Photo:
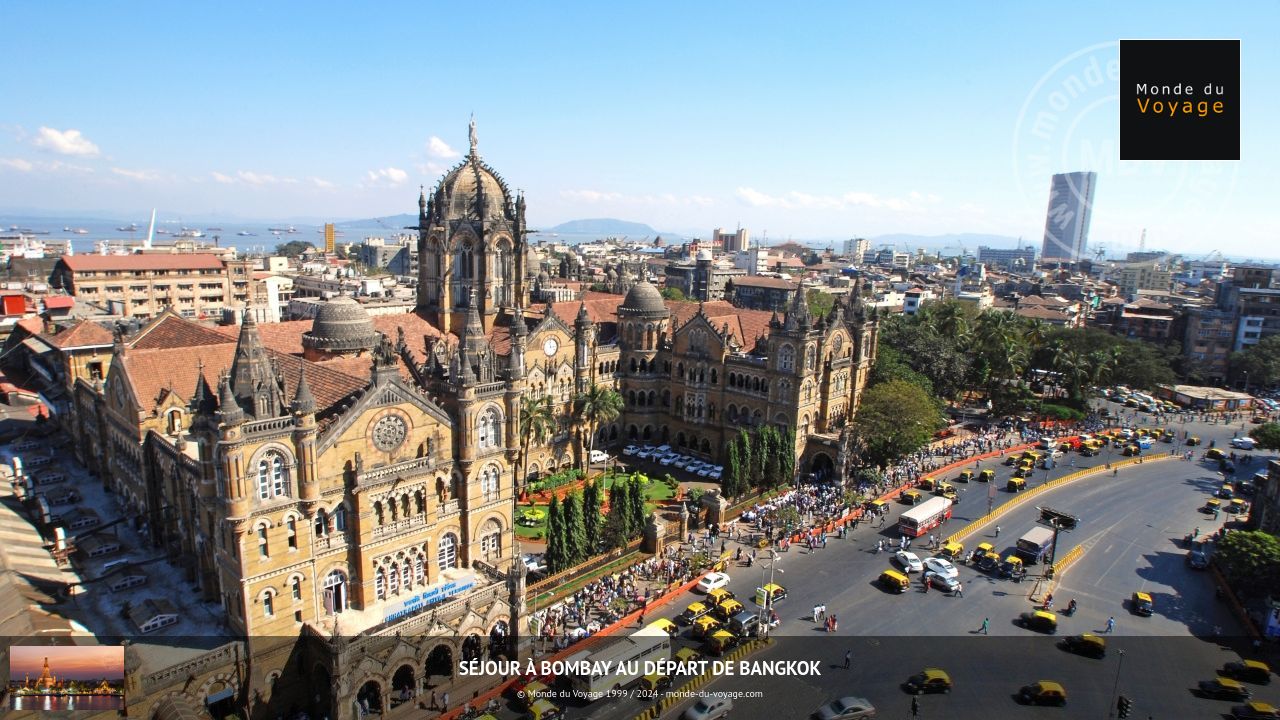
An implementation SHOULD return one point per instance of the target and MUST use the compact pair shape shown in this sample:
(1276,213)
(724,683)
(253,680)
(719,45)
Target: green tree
(889,365)
(293,248)
(746,457)
(895,419)
(575,529)
(787,457)
(773,457)
(596,406)
(1267,435)
(1250,561)
(730,479)
(673,293)
(592,520)
(617,530)
(557,559)
(1258,363)
(537,423)
(635,508)
(820,303)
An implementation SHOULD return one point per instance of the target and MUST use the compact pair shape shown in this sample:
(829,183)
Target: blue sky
(805,121)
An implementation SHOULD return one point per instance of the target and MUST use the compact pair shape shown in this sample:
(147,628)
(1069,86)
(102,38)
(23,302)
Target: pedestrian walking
(997,531)
(816,610)
(959,590)
(1111,624)
(848,658)
(986,626)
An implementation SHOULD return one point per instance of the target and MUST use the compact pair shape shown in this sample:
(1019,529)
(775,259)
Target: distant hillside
(970,241)
(394,221)
(602,226)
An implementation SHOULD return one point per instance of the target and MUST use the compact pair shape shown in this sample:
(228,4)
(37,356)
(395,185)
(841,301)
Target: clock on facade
(389,432)
(550,346)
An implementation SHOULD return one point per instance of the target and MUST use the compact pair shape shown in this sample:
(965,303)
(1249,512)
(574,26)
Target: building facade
(142,285)
(1066,225)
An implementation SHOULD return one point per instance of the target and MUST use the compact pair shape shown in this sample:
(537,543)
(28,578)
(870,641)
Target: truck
(1035,544)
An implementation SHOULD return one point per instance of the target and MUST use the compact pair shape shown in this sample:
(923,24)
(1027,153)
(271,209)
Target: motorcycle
(1071,609)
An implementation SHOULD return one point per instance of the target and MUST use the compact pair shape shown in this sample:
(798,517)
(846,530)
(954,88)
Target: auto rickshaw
(1167,436)
(1214,454)
(717,596)
(952,550)
(947,491)
(1012,460)
(1087,644)
(912,497)
(1238,507)
(989,562)
(1193,441)
(695,611)
(894,581)
(720,642)
(1023,472)
(1212,506)
(770,594)
(1012,567)
(964,476)
(1015,485)
(987,475)
(1142,604)
(666,626)
(653,684)
(926,484)
(1131,450)
(544,710)
(703,626)
(728,609)
(1225,491)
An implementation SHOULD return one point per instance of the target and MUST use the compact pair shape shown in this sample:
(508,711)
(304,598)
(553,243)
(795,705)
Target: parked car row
(665,456)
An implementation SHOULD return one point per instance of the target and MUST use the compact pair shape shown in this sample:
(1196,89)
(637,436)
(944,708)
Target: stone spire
(304,403)
(254,380)
(229,411)
(798,317)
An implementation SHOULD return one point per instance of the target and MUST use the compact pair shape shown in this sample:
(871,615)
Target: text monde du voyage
(1179,100)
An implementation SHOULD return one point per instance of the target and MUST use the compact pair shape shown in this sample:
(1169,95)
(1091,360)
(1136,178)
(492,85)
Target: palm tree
(537,423)
(949,319)
(597,405)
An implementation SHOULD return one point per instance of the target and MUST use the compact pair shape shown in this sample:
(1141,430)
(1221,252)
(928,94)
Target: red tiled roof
(601,308)
(150,261)
(33,325)
(1040,312)
(169,330)
(744,325)
(59,302)
(762,281)
(285,337)
(83,334)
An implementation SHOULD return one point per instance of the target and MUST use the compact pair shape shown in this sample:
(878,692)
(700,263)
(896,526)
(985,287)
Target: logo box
(1180,99)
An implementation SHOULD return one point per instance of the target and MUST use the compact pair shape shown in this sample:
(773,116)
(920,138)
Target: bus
(628,656)
(924,517)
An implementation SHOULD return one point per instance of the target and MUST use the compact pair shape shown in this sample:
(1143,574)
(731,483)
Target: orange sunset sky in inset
(71,662)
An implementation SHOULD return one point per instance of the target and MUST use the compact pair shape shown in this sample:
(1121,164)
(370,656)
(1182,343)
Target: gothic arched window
(786,358)
(489,429)
(447,553)
(273,480)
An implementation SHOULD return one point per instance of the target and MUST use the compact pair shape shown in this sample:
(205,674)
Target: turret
(229,412)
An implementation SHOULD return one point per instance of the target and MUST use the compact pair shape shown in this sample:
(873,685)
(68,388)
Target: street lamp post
(767,605)
(1115,688)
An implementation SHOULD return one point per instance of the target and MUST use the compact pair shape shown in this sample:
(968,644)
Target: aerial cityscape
(655,376)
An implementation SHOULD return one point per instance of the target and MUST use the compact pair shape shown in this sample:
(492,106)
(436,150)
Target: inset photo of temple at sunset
(64,680)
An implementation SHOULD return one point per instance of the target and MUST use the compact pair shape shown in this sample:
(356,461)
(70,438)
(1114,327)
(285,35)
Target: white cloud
(796,200)
(259,179)
(438,148)
(390,175)
(136,174)
(224,179)
(660,199)
(16,164)
(322,184)
(431,169)
(65,142)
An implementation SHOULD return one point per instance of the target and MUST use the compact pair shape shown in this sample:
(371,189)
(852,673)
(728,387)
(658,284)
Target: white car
(706,471)
(668,459)
(846,708)
(909,561)
(713,581)
(599,456)
(695,466)
(941,566)
(630,450)
(680,461)
(644,453)
(664,449)
(715,474)
(709,708)
(1243,443)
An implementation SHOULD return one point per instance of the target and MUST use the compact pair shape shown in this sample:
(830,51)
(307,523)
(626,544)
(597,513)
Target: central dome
(644,297)
(341,326)
(460,187)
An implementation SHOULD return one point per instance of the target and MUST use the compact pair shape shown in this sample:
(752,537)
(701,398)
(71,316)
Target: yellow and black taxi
(1016,483)
(1193,441)
(1221,688)
(1237,506)
(1255,711)
(1041,621)
(717,596)
(687,655)
(1044,692)
(989,561)
(703,626)
(948,491)
(654,683)
(666,626)
(695,611)
(1224,491)
(770,594)
(876,507)
(1211,505)
(929,680)
(728,609)
(894,581)
(1131,450)
(911,497)
(951,550)
(720,642)
(964,476)
(1252,671)
(1022,471)
(1214,454)
(987,475)
(1086,644)
(1012,460)
(544,710)
(1142,604)
(926,484)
